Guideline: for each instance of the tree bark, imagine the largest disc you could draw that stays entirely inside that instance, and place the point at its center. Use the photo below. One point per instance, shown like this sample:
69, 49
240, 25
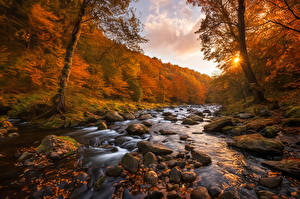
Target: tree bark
59, 98
245, 62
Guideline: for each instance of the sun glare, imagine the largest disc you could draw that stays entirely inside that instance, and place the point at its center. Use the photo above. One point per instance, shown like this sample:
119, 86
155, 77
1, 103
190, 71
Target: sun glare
236, 60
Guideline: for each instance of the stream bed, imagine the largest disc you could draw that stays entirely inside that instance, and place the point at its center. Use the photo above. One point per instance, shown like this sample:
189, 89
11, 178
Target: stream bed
230, 169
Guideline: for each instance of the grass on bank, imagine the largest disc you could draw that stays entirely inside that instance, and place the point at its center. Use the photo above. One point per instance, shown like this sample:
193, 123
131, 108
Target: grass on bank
80, 107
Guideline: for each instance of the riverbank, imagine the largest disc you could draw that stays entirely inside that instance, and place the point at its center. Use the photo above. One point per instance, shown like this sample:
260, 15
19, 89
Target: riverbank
175, 152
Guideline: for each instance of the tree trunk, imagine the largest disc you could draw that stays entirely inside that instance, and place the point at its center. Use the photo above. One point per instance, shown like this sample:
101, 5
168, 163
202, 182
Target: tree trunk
59, 98
245, 62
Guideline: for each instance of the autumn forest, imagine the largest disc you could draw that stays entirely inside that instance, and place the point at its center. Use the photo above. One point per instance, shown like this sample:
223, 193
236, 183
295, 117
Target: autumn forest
89, 108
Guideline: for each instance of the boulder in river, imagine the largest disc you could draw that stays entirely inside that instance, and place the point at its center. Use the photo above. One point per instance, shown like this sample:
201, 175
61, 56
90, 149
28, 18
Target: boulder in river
157, 149
288, 166
175, 175
113, 116
113, 171
102, 125
292, 122
130, 163
264, 194
189, 176
151, 177
171, 118
145, 117
200, 193
258, 144
201, 157
271, 182
245, 115
189, 121
195, 118
61, 145
270, 131
147, 123
128, 116
149, 158
137, 129
166, 132
259, 124
217, 125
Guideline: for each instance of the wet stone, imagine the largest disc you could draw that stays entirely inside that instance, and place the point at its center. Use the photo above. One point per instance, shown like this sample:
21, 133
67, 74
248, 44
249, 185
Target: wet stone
149, 158
173, 195
271, 182
130, 163
229, 195
264, 194
201, 157
175, 175
189, 176
151, 178
200, 193
189, 147
113, 171
214, 191
155, 195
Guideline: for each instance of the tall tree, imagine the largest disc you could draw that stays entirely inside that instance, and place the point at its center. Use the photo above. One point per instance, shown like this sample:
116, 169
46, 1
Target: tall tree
245, 62
222, 34
117, 21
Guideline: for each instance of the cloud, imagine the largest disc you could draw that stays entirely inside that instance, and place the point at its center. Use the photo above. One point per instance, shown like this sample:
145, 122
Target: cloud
170, 28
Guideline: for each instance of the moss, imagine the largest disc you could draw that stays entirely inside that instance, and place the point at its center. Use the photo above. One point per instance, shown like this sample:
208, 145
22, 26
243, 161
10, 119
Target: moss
99, 183
69, 139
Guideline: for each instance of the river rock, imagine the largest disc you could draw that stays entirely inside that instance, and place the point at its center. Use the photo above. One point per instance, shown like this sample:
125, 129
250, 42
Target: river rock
175, 175
270, 131
102, 125
167, 114
3, 132
289, 166
113, 116
189, 147
229, 195
25, 155
151, 178
264, 194
173, 195
130, 163
157, 149
201, 157
207, 111
149, 158
258, 144
183, 137
195, 118
217, 125
271, 182
147, 123
171, 118
189, 121
245, 115
99, 183
137, 129
145, 117
199, 113
114, 171
62, 145
214, 191
128, 116
200, 193
259, 124
165, 132
189, 176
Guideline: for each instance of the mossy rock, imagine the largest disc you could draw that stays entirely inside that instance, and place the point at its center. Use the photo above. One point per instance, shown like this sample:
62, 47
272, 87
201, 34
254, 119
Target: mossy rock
99, 183
63, 145
227, 129
293, 112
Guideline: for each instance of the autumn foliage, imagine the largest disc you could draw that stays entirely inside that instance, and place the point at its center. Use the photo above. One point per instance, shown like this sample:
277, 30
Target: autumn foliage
32, 57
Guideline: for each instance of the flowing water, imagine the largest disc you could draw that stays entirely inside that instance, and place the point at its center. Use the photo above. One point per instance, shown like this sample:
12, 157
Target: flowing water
230, 169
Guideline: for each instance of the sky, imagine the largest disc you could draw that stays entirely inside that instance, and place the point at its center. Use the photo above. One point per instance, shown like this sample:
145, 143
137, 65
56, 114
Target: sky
169, 25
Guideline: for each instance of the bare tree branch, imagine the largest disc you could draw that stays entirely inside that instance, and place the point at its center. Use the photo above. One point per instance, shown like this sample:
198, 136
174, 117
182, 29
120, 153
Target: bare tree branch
290, 9
287, 27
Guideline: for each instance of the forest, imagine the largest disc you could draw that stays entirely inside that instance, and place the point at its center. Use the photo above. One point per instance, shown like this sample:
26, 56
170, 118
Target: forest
86, 113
